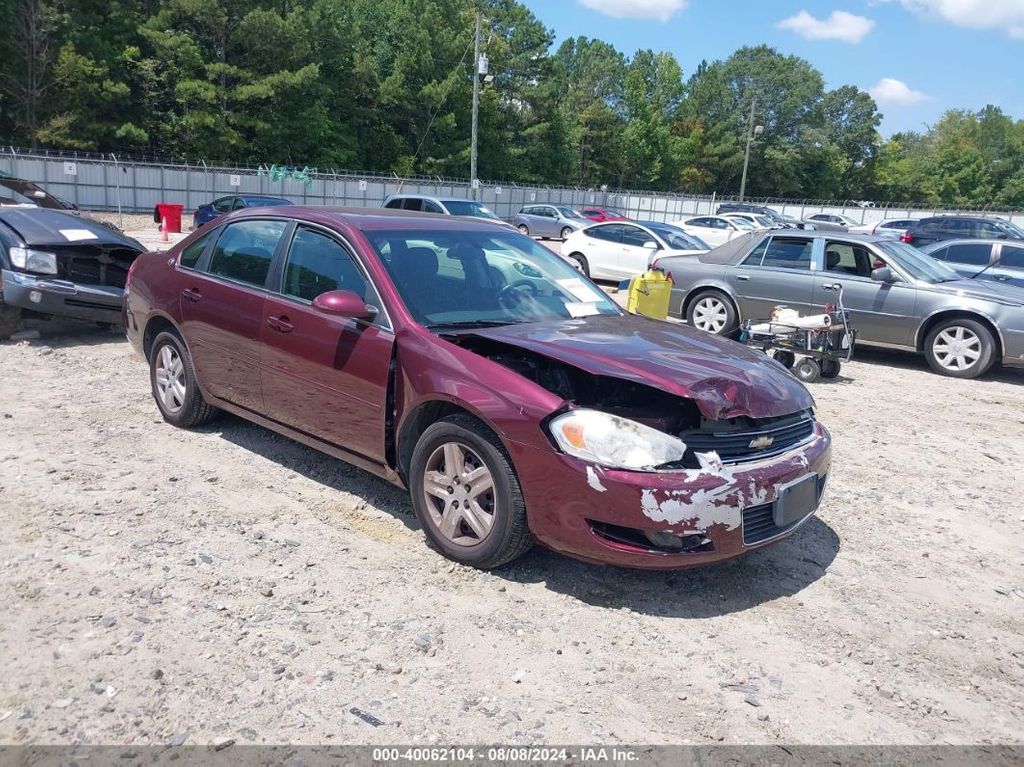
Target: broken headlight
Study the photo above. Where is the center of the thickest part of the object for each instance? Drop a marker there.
(615, 442)
(33, 260)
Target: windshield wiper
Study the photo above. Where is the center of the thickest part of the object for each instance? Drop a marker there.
(470, 324)
(976, 276)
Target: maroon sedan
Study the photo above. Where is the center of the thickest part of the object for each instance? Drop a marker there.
(469, 364)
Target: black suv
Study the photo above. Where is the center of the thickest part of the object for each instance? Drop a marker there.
(939, 228)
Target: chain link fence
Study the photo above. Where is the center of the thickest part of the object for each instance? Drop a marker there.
(134, 185)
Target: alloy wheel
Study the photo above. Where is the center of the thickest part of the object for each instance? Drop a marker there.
(459, 492)
(710, 314)
(957, 348)
(170, 378)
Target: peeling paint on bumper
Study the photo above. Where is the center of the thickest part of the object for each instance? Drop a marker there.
(708, 501)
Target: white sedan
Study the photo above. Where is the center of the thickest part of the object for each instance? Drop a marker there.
(615, 250)
(751, 221)
(714, 230)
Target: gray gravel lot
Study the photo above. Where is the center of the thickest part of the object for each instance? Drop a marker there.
(164, 586)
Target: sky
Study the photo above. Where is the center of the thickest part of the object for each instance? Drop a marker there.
(918, 58)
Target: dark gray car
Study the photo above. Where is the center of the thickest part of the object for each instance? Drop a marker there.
(898, 297)
(55, 264)
(996, 260)
(549, 221)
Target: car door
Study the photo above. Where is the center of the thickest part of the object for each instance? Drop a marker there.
(322, 374)
(777, 271)
(550, 221)
(634, 258)
(222, 309)
(1009, 266)
(880, 312)
(603, 244)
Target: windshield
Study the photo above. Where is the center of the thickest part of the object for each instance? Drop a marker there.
(764, 221)
(919, 265)
(469, 208)
(743, 223)
(453, 278)
(1013, 229)
(678, 239)
(568, 212)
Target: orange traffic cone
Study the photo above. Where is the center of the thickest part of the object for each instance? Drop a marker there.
(163, 230)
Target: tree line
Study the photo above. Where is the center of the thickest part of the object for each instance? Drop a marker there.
(385, 85)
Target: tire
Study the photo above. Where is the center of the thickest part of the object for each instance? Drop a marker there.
(182, 405)
(783, 357)
(807, 370)
(830, 369)
(974, 342)
(524, 229)
(712, 311)
(580, 262)
(499, 532)
(566, 231)
(10, 316)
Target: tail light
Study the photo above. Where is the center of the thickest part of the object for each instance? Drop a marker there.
(906, 237)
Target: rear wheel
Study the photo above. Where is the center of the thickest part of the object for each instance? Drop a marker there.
(174, 384)
(960, 348)
(466, 494)
(10, 316)
(566, 231)
(524, 229)
(579, 261)
(713, 312)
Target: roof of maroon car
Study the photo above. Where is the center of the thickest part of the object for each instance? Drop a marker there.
(375, 219)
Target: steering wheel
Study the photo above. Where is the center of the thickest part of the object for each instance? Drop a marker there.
(508, 291)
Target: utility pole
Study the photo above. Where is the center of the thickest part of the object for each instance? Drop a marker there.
(476, 108)
(746, 156)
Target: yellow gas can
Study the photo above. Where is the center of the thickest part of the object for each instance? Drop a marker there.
(649, 294)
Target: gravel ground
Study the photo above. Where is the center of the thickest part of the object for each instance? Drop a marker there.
(164, 586)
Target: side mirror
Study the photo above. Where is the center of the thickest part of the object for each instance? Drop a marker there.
(651, 245)
(882, 274)
(344, 303)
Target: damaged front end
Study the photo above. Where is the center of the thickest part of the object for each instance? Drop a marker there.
(644, 477)
(82, 281)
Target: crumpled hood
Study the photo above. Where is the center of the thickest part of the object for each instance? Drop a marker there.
(41, 227)
(725, 379)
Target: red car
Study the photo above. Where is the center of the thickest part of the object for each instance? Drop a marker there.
(603, 214)
(471, 365)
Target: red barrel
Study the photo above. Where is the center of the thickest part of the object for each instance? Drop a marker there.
(171, 213)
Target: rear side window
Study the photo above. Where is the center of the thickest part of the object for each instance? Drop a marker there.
(430, 207)
(317, 264)
(973, 254)
(635, 237)
(245, 249)
(1012, 257)
(988, 229)
(611, 233)
(191, 254)
(394, 204)
(756, 255)
(942, 254)
(788, 253)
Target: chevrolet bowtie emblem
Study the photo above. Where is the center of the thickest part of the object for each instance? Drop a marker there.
(761, 442)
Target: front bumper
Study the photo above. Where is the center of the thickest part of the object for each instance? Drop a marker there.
(584, 511)
(98, 303)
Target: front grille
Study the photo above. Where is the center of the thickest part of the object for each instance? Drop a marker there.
(747, 439)
(96, 267)
(759, 521)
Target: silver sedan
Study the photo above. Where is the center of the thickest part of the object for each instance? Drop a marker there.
(898, 297)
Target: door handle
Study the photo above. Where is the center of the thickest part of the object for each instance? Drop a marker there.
(743, 277)
(280, 324)
(191, 294)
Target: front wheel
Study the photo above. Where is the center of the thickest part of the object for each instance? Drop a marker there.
(174, 384)
(960, 348)
(579, 262)
(713, 312)
(466, 494)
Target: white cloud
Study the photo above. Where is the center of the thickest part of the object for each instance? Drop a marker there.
(662, 10)
(892, 92)
(974, 14)
(840, 25)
